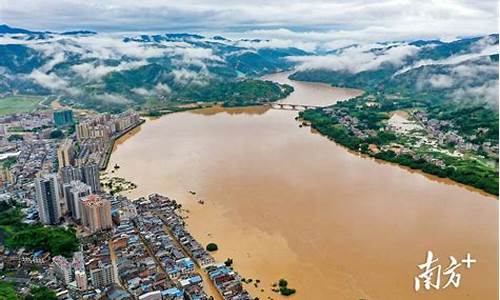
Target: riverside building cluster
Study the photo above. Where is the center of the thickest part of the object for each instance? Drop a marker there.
(127, 249)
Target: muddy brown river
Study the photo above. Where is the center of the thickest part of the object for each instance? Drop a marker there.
(285, 202)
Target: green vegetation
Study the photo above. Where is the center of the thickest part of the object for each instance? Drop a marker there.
(453, 133)
(15, 104)
(474, 168)
(228, 262)
(41, 293)
(56, 134)
(58, 241)
(11, 217)
(283, 288)
(15, 137)
(9, 162)
(212, 247)
(229, 92)
(282, 282)
(251, 92)
(7, 291)
(467, 172)
(116, 185)
(235, 93)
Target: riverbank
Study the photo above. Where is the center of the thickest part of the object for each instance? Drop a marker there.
(339, 126)
(103, 164)
(285, 203)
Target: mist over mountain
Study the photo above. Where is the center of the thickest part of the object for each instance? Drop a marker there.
(104, 70)
(462, 70)
(111, 71)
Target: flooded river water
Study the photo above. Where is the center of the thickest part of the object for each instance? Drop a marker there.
(285, 202)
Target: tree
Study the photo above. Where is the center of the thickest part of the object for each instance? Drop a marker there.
(15, 137)
(7, 292)
(212, 247)
(58, 241)
(41, 293)
(284, 290)
(282, 283)
(56, 134)
(228, 262)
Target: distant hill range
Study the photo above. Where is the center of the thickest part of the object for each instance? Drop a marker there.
(464, 69)
(110, 72)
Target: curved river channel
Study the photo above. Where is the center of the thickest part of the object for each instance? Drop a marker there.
(285, 202)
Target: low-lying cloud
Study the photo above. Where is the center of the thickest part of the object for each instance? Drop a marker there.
(353, 20)
(95, 71)
(357, 58)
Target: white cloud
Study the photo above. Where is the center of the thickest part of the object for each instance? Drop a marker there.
(357, 59)
(278, 43)
(162, 89)
(95, 71)
(474, 71)
(441, 81)
(52, 82)
(183, 76)
(141, 91)
(486, 92)
(58, 58)
(194, 56)
(316, 20)
(483, 47)
(112, 98)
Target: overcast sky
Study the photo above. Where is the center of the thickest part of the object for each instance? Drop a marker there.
(335, 21)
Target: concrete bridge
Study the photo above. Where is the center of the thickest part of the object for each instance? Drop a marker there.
(289, 106)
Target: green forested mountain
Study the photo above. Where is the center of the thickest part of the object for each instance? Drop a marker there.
(427, 105)
(113, 72)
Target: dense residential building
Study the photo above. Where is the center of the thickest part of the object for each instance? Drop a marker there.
(78, 265)
(69, 174)
(65, 154)
(74, 192)
(105, 126)
(63, 269)
(89, 130)
(154, 295)
(63, 117)
(102, 275)
(125, 120)
(6, 175)
(81, 280)
(96, 213)
(3, 130)
(88, 174)
(48, 199)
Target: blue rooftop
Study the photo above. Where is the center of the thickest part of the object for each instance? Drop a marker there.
(172, 292)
